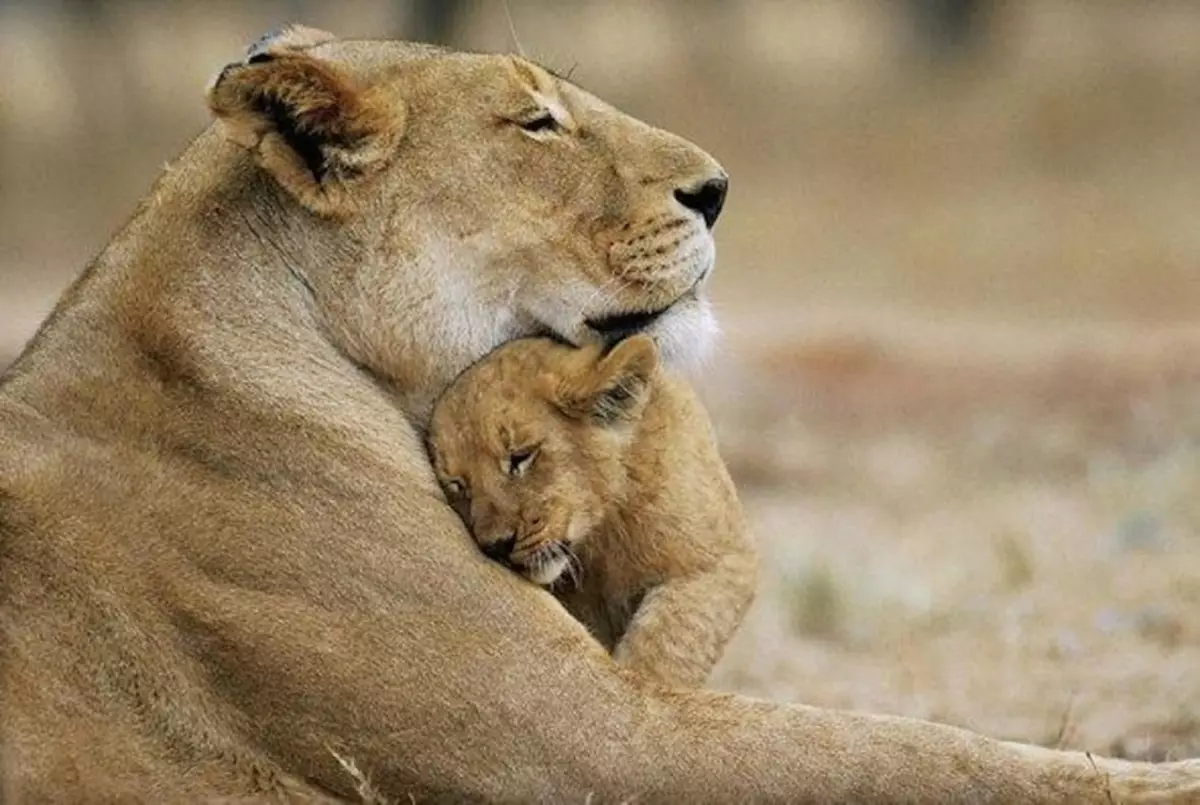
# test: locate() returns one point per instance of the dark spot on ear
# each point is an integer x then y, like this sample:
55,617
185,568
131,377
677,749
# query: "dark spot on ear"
221,76
613,404
256,52
306,145
619,394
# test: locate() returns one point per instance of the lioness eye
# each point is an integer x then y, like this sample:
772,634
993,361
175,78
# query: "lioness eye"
520,460
544,122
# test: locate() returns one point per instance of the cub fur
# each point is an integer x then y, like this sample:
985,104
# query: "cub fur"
597,475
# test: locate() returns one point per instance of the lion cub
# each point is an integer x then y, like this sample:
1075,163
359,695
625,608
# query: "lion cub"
597,475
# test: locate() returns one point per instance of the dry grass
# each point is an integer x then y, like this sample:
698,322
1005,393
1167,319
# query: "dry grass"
978,541
962,388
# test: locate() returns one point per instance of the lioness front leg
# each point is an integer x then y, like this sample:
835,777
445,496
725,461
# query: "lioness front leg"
455,718
682,626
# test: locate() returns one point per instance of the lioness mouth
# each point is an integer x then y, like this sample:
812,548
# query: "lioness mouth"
620,325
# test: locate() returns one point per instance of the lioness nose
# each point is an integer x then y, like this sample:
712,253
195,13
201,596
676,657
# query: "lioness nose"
501,549
707,199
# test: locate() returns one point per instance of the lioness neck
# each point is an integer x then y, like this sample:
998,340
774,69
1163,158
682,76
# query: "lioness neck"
235,338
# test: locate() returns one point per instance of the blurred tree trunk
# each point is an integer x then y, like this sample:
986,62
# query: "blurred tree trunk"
102,81
949,30
435,21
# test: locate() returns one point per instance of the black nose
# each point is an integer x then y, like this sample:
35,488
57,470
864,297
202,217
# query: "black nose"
501,549
707,199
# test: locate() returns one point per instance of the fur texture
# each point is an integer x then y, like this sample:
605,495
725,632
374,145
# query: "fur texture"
226,567
595,474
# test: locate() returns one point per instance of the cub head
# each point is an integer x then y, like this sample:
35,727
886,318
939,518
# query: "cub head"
436,204
529,445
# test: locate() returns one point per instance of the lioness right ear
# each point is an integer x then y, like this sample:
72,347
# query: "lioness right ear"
306,122
613,388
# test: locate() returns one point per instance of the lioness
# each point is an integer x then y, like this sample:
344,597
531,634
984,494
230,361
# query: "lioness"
561,459
224,556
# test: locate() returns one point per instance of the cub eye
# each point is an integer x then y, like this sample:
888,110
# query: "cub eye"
455,488
520,460
544,122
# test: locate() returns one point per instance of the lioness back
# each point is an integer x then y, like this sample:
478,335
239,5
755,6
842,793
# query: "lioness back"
596,474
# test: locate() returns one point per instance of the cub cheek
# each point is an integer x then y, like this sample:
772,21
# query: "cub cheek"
534,523
578,527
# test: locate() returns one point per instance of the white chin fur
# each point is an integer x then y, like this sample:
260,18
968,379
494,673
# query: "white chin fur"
548,571
686,335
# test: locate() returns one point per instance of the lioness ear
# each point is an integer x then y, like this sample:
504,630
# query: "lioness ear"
610,388
287,37
305,120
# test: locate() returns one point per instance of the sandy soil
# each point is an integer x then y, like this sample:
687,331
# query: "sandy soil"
1007,543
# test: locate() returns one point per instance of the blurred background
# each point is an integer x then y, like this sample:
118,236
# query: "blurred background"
959,277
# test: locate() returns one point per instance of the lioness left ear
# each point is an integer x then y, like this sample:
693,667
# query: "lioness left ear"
612,388
307,123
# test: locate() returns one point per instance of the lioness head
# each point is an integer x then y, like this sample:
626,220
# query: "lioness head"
528,445
463,200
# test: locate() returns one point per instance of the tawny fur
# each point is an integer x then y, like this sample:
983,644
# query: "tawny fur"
225,561
605,472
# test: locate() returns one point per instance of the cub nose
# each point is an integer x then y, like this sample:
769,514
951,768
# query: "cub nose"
706,199
501,549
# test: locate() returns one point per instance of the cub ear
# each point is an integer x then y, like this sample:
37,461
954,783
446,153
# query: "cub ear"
609,388
306,120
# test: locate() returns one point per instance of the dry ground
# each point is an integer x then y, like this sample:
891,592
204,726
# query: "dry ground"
961,386
1000,541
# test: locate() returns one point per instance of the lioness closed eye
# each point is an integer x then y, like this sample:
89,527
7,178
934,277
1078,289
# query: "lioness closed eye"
599,467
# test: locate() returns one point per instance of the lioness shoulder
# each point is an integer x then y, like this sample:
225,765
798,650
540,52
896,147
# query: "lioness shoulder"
596,474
